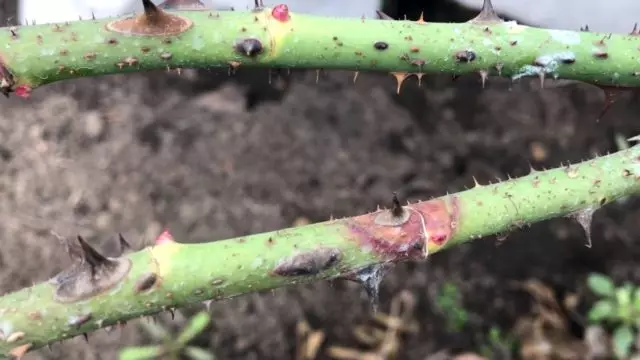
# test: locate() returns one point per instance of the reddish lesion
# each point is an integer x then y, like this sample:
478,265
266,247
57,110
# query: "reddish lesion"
430,224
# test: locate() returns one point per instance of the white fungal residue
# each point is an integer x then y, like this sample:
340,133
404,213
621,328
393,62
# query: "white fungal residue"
370,278
584,217
547,64
565,37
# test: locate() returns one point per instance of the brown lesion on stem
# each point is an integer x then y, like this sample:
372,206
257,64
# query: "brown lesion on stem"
90,274
154,21
309,263
409,234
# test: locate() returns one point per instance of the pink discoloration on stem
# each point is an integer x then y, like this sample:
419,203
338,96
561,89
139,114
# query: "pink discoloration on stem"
164,238
431,223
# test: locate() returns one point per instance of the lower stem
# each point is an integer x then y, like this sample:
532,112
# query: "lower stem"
170,274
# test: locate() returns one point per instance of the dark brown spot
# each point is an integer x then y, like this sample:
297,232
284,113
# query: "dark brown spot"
112,41
145,282
64,52
250,47
465,56
309,263
145,49
381,45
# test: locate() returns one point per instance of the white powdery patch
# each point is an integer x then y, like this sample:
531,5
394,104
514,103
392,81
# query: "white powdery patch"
565,37
547,64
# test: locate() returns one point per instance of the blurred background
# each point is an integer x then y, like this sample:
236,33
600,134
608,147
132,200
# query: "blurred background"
212,157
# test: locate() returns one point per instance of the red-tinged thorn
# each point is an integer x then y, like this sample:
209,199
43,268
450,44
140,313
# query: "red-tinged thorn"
24,91
421,18
383,16
487,15
280,12
610,94
165,238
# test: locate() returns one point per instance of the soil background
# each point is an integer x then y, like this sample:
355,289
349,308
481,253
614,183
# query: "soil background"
213,157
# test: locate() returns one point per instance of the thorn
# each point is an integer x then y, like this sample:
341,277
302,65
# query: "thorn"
317,75
207,304
475,182
123,244
419,76
90,255
487,15
396,210
173,314
93,16
151,12
383,16
610,97
541,75
258,5
585,28
635,31
484,74
584,218
400,78
421,18
86,337
355,76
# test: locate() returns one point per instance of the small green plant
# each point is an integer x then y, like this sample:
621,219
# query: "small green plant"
171,347
449,301
618,306
498,343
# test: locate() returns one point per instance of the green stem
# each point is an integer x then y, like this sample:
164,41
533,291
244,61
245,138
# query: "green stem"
42,54
97,292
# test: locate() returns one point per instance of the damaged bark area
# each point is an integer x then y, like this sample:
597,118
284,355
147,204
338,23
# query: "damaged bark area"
407,232
309,263
154,21
90,274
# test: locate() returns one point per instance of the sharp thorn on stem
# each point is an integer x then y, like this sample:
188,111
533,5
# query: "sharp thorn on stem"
487,15
123,244
151,11
396,209
383,16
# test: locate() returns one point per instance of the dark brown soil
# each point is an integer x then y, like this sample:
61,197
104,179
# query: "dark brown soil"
211,160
